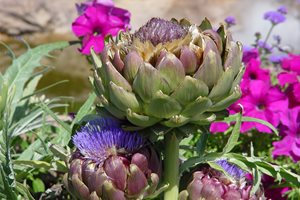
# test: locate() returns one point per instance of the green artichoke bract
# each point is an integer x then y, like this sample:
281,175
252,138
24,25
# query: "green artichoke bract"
169,72
112,164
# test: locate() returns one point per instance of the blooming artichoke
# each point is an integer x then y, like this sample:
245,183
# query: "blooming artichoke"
169,72
111,164
210,184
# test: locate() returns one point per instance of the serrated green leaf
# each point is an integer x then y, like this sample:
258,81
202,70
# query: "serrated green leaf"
21,69
38,185
33,163
85,109
232,118
191,162
24,191
233,139
256,180
277,172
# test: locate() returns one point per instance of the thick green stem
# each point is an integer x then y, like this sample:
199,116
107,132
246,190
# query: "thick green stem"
171,166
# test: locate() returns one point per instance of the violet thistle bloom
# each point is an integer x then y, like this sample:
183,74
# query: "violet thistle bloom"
233,170
274,58
275,17
81,7
277,38
264,46
110,163
283,10
210,184
230,21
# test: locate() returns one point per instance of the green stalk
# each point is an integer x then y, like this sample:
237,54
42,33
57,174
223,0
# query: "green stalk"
269,33
171,166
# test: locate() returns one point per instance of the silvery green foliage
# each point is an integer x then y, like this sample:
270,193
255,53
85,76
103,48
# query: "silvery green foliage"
19,111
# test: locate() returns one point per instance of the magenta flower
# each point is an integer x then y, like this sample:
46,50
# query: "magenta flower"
249,53
270,189
97,22
218,127
291,63
255,72
290,129
263,102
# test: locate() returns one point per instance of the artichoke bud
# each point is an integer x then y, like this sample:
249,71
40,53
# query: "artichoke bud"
110,163
164,67
210,184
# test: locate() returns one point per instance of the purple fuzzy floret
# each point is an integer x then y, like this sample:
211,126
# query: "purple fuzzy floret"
231,169
98,137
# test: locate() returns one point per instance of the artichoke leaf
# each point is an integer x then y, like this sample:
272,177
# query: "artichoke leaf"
140,120
123,99
147,82
223,86
233,56
162,106
211,69
171,69
226,102
189,90
200,105
238,78
111,108
114,76
204,119
176,121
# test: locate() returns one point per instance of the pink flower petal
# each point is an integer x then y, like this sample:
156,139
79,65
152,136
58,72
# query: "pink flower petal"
81,26
95,42
286,77
218,127
258,89
283,147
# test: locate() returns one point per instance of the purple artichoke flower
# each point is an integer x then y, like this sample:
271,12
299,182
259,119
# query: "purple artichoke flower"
110,163
210,184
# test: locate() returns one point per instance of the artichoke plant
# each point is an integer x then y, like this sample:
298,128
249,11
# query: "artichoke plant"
210,184
111,164
169,72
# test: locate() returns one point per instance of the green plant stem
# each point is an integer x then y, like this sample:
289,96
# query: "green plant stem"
171,166
269,33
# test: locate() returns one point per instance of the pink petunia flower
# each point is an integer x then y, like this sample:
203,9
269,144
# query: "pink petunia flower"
290,130
270,189
97,22
263,102
218,127
254,72
249,53
291,63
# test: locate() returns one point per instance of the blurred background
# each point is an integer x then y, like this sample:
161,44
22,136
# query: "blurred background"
41,21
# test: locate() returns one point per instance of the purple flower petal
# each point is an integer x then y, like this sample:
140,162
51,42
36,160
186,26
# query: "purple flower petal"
274,17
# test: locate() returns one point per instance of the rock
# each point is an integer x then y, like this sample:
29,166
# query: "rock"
18,17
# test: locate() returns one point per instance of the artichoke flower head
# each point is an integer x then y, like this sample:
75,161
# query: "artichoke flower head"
169,72
111,164
210,184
